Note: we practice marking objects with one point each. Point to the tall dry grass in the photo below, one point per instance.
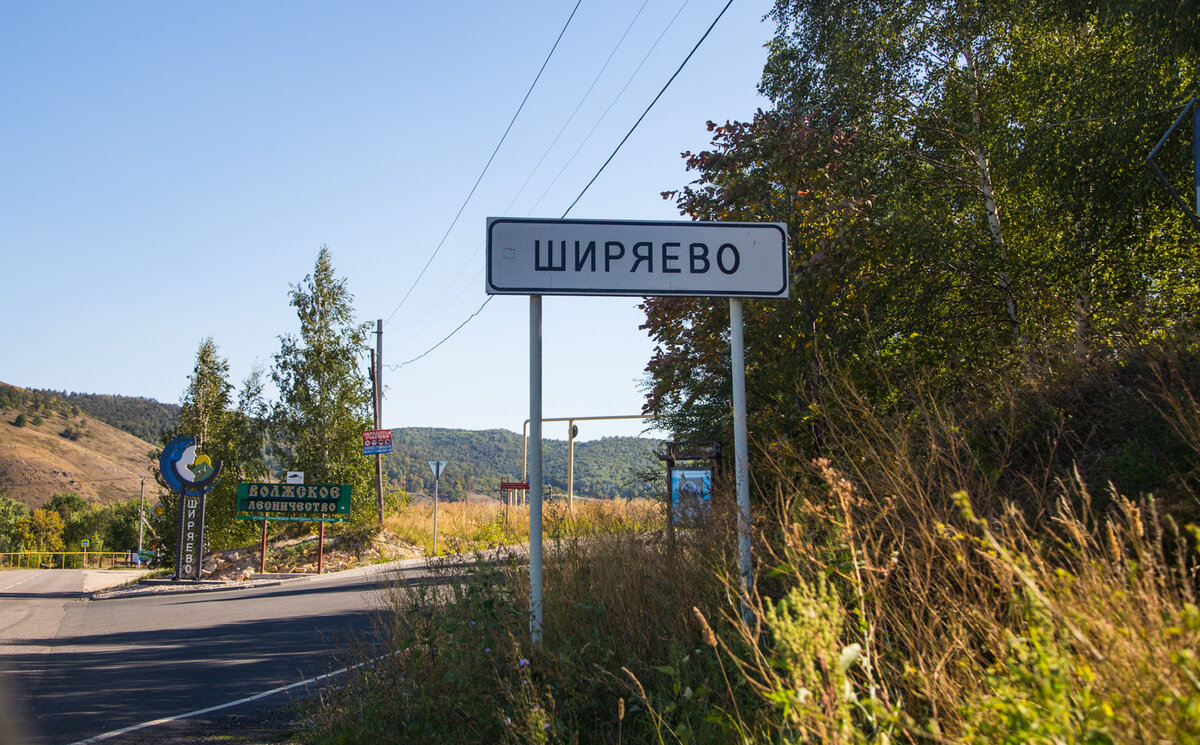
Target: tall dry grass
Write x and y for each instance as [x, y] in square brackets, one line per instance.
[466, 526]
[907, 591]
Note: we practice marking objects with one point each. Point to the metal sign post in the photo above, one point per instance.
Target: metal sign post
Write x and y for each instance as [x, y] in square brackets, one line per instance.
[437, 466]
[535, 469]
[537, 257]
[741, 455]
[1194, 107]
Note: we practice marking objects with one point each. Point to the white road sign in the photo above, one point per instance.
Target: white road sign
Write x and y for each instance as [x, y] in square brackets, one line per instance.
[528, 256]
[437, 466]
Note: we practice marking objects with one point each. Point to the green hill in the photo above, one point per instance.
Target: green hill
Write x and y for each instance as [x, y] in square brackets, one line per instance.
[143, 418]
[479, 460]
[49, 445]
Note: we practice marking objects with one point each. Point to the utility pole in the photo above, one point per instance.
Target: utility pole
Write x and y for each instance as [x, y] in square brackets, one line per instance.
[141, 518]
[377, 380]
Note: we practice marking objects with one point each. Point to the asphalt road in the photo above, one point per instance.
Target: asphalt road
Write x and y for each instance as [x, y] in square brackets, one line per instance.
[77, 668]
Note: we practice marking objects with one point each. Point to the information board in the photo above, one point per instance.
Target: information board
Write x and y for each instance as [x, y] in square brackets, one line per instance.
[312, 503]
[527, 256]
[377, 442]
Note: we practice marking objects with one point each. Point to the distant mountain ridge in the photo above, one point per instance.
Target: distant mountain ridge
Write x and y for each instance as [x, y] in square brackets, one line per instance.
[50, 445]
[478, 460]
[141, 417]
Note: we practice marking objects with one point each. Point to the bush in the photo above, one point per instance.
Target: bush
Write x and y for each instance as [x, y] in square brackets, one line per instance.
[930, 580]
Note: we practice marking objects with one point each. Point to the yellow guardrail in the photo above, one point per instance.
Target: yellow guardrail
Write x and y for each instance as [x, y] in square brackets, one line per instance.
[67, 559]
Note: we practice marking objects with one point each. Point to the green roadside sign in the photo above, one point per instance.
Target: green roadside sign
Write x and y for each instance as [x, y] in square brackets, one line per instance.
[300, 502]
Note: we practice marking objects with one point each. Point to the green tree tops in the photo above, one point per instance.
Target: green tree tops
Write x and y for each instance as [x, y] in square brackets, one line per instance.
[324, 395]
[222, 433]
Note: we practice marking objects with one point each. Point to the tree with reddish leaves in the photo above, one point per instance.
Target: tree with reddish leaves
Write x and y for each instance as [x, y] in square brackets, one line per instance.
[780, 167]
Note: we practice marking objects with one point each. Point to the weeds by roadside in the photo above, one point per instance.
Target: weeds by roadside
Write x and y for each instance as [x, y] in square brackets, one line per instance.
[901, 597]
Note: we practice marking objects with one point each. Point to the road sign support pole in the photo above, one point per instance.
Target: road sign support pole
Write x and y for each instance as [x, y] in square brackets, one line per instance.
[741, 451]
[437, 477]
[262, 559]
[321, 548]
[535, 469]
[571, 465]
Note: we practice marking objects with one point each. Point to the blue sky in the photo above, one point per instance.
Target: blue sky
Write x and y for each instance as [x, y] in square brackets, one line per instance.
[170, 168]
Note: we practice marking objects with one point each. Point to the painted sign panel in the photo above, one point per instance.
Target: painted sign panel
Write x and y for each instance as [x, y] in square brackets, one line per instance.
[185, 470]
[691, 495]
[191, 536]
[377, 442]
[316, 502]
[192, 475]
[527, 256]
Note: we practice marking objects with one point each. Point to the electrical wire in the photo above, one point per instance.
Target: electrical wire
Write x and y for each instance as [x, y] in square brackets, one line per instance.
[416, 326]
[593, 179]
[611, 104]
[486, 165]
[446, 338]
[647, 111]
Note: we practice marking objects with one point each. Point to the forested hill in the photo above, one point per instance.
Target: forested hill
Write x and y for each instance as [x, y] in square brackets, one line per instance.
[141, 417]
[477, 461]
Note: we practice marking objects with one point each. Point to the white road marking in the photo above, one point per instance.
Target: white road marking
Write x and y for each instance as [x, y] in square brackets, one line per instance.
[198, 712]
[3, 589]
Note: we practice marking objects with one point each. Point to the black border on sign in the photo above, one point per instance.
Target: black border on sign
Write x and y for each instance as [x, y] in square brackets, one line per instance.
[492, 289]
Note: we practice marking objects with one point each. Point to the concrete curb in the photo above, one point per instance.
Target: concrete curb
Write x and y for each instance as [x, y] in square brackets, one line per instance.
[169, 586]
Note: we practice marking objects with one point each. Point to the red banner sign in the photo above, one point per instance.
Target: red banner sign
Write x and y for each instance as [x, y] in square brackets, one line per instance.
[377, 441]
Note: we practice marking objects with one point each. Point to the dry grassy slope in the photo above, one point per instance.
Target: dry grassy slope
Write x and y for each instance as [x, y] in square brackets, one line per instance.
[36, 462]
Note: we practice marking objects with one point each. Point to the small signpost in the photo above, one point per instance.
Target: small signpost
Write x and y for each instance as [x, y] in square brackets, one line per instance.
[538, 257]
[437, 466]
[512, 490]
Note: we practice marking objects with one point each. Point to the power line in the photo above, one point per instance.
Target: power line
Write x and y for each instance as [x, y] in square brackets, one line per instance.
[613, 103]
[488, 164]
[416, 326]
[582, 99]
[446, 338]
[596, 176]
[647, 111]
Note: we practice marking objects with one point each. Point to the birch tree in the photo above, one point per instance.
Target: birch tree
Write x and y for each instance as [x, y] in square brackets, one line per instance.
[324, 395]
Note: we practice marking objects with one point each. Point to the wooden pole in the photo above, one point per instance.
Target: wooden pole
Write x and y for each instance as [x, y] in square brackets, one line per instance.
[377, 379]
